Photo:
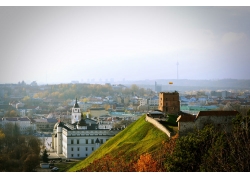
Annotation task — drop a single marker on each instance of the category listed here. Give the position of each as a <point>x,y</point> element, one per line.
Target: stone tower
<point>169,102</point>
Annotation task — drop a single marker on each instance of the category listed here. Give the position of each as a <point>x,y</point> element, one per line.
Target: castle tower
<point>76,113</point>
<point>169,102</point>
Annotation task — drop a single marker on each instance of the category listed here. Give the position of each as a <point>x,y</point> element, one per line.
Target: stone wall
<point>185,127</point>
<point>158,125</point>
<point>221,122</point>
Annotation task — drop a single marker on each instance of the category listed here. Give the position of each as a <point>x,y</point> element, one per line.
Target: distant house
<point>24,123</point>
<point>45,124</point>
<point>221,119</point>
<point>96,112</point>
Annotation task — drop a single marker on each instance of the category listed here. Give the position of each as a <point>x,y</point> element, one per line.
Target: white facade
<point>143,101</point>
<point>80,138</point>
<point>24,123</point>
<point>153,101</point>
<point>76,113</point>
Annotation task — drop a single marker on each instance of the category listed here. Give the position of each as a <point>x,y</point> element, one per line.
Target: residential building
<point>44,124</point>
<point>24,123</point>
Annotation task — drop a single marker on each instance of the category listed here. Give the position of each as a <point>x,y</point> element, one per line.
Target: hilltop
<point>138,138</point>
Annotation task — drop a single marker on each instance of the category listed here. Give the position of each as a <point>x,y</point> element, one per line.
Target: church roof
<point>217,113</point>
<point>76,104</point>
<point>82,122</point>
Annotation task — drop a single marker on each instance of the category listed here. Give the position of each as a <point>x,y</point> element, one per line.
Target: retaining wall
<point>158,125</point>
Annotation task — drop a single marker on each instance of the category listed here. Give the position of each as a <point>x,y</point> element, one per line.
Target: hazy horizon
<point>64,44</point>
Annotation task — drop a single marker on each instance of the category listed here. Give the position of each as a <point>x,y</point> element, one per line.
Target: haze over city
<point>64,44</point>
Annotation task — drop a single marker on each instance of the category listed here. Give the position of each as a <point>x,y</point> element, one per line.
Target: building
<point>97,112</point>
<point>45,124</point>
<point>81,137</point>
<point>24,123</point>
<point>221,119</point>
<point>169,102</point>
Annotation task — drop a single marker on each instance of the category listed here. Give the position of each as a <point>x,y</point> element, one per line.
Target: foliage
<point>70,91</point>
<point>45,156</point>
<point>172,120</point>
<point>21,153</point>
<point>11,113</point>
<point>146,164</point>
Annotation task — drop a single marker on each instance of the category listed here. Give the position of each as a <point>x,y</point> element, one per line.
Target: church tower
<point>76,113</point>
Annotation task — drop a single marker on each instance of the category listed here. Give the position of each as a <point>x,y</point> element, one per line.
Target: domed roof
<point>82,122</point>
<point>76,104</point>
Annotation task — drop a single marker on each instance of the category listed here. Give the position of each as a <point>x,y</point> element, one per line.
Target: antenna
<point>177,64</point>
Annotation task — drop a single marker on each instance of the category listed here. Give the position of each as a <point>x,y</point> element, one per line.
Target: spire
<point>76,104</point>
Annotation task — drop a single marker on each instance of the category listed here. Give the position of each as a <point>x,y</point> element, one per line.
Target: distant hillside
<point>138,138</point>
<point>188,84</point>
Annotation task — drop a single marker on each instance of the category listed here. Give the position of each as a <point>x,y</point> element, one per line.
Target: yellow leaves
<point>2,135</point>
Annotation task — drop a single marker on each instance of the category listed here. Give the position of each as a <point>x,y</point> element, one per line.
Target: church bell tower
<point>76,113</point>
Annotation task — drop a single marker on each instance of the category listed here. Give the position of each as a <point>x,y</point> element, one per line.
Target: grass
<point>139,137</point>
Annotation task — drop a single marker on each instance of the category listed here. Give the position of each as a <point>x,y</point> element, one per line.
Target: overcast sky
<point>64,44</point>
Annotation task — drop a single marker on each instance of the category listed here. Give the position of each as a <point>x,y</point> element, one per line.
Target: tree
<point>45,156</point>
<point>31,162</point>
<point>11,113</point>
<point>35,144</point>
<point>146,164</point>
<point>2,137</point>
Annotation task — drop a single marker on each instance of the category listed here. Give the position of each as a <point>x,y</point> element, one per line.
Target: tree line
<point>19,153</point>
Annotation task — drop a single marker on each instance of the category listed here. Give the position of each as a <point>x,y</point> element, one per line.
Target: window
<point>86,148</point>
<point>101,141</point>
<point>72,149</point>
<point>72,141</point>
<point>77,141</point>
<point>78,155</point>
<point>86,155</point>
<point>78,149</point>
<point>92,141</point>
<point>87,141</point>
<point>72,155</point>
<point>92,148</point>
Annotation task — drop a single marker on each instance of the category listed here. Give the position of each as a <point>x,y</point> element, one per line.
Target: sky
<point>60,44</point>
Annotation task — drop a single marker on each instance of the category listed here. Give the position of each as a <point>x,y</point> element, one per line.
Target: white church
<point>79,138</point>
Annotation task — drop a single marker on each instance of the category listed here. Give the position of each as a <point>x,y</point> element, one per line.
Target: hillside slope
<point>138,138</point>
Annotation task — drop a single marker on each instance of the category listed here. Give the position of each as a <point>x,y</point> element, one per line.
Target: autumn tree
<point>146,164</point>
<point>31,162</point>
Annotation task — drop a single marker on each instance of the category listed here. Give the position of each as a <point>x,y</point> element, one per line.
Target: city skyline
<point>65,44</point>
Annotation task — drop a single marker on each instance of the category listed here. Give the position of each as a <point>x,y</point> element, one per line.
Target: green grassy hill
<point>138,138</point>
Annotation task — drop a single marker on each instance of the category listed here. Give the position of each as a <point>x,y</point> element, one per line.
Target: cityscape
<point>124,89</point>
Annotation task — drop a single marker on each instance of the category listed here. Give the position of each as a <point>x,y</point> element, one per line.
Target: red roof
<point>191,118</point>
<point>186,118</point>
<point>217,113</point>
